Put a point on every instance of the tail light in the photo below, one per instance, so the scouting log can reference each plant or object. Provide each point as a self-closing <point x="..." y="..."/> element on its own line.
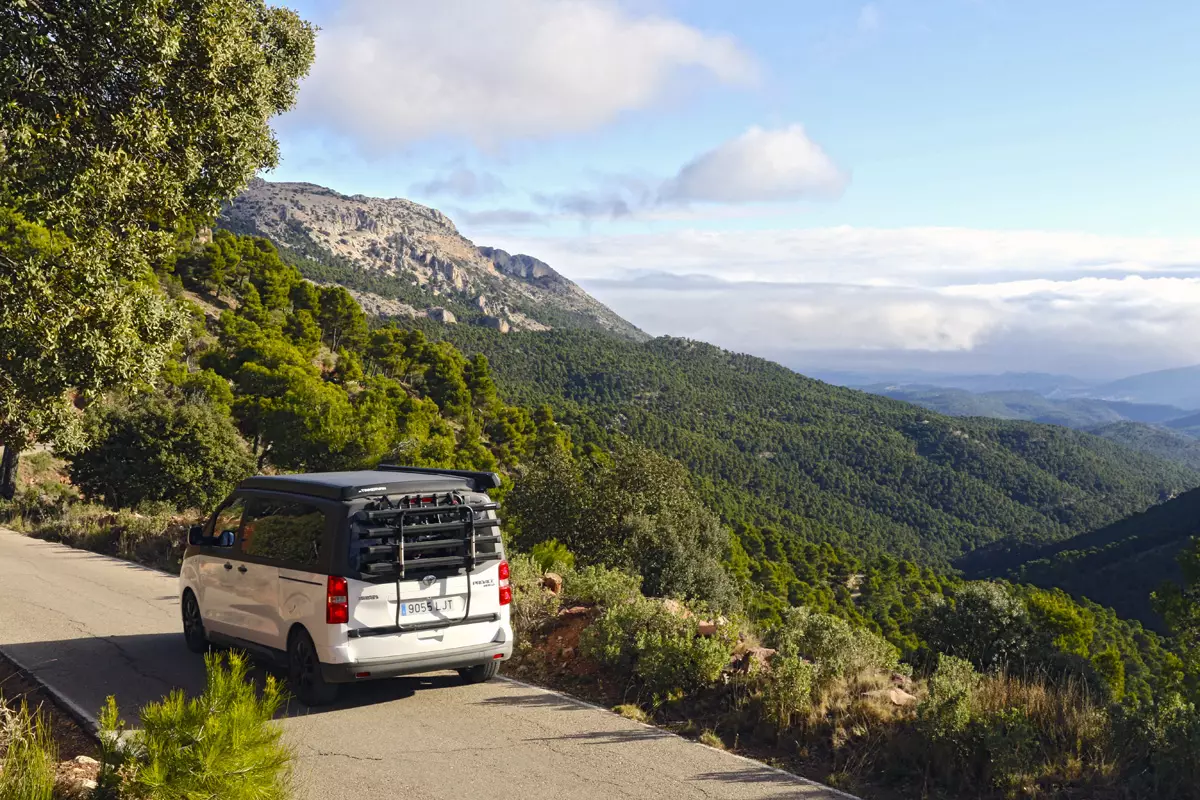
<point x="337" y="601"/>
<point x="505" y="589"/>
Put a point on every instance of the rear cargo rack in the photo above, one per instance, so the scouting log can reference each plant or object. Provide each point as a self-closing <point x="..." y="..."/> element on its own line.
<point x="419" y="535"/>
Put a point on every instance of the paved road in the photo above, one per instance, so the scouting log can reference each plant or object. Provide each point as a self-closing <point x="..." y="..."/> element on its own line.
<point x="90" y="626"/>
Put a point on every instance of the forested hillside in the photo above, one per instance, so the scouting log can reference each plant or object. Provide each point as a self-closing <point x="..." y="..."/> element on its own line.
<point x="1118" y="565"/>
<point x="826" y="464"/>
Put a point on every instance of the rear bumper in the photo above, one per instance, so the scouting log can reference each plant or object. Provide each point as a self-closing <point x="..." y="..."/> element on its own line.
<point x="410" y="665"/>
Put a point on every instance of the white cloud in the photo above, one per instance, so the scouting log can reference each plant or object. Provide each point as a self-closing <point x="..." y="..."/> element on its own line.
<point x="934" y="298"/>
<point x="461" y="183"/>
<point x="388" y="72"/>
<point x="758" y="166"/>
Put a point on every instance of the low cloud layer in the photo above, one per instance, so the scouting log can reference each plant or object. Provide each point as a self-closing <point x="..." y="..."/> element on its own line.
<point x="389" y="72"/>
<point x="928" y="298"/>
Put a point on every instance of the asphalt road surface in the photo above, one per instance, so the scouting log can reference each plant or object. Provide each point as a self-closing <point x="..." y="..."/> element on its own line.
<point x="90" y="626"/>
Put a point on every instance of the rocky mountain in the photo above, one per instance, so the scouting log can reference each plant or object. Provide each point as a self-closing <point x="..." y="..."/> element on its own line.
<point x="404" y="259"/>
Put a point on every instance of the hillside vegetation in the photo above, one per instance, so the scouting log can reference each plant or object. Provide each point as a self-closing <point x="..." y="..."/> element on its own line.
<point x="1118" y="565"/>
<point x="277" y="374"/>
<point x="773" y="449"/>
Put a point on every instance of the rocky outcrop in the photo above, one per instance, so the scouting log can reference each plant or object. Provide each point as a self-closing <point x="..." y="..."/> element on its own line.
<point x="420" y="246"/>
<point x="443" y="315"/>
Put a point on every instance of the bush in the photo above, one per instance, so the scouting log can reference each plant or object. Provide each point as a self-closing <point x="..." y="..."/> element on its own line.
<point x="676" y="662"/>
<point x="223" y="743"/>
<point x="835" y="648"/>
<point x="660" y="647"/>
<point x="947" y="710"/>
<point x="553" y="556"/>
<point x="787" y="690"/>
<point x="29" y="755"/>
<point x="531" y="604"/>
<point x="601" y="586"/>
<point x="188" y="454"/>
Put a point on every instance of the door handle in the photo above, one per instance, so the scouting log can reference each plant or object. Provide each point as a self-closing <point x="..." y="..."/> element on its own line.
<point x="242" y="568"/>
<point x="228" y="565"/>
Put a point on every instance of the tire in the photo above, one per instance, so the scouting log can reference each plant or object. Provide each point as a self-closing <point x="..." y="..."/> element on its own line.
<point x="304" y="672"/>
<point x="480" y="672"/>
<point x="193" y="624"/>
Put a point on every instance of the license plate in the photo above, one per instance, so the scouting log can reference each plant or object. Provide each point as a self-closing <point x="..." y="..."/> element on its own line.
<point x="437" y="605"/>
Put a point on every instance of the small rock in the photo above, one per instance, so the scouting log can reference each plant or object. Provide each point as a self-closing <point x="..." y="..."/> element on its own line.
<point x="677" y="608"/>
<point x="86" y="761"/>
<point x="754" y="659"/>
<point x="568" y="653"/>
<point x="552" y="581"/>
<point x="89" y="784"/>
<point x="573" y="611"/>
<point x="895" y="696"/>
<point x="706" y="628"/>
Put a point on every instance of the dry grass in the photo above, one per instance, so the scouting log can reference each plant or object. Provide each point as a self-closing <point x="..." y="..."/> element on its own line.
<point x="711" y="739"/>
<point x="633" y="712"/>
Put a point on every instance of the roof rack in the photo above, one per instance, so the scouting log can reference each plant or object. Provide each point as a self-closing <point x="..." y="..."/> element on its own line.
<point x="480" y="481"/>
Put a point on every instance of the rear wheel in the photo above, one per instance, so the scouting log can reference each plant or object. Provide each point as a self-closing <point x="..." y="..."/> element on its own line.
<point x="480" y="672"/>
<point x="304" y="672"/>
<point x="193" y="624"/>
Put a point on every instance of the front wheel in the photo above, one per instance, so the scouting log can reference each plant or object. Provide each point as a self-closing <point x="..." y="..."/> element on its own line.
<point x="304" y="673"/>
<point x="193" y="624"/>
<point x="480" y="672"/>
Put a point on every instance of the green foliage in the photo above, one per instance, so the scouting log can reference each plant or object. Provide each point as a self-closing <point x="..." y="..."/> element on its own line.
<point x="601" y="586"/>
<point x="659" y="645"/>
<point x="787" y="691"/>
<point x="552" y="555"/>
<point x="188" y="454"/>
<point x="835" y="648"/>
<point x="28" y="755"/>
<point x="946" y="711"/>
<point x="223" y="743"/>
<point x="675" y="661"/>
<point x="531" y="604"/>
<point x="633" y="510"/>
<point x="122" y="123"/>
<point x="982" y="623"/>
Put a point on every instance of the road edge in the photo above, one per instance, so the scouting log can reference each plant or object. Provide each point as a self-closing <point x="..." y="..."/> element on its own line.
<point x="89" y="722"/>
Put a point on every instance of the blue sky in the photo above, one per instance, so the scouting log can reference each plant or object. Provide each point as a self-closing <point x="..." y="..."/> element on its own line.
<point x="941" y="182"/>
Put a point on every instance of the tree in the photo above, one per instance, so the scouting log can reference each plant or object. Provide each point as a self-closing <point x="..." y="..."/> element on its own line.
<point x="188" y="454"/>
<point x="985" y="624"/>
<point x="1180" y="606"/>
<point x="119" y="121"/>
<point x="633" y="509"/>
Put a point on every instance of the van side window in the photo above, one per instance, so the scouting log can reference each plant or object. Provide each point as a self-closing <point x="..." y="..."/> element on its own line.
<point x="284" y="531"/>
<point x="229" y="517"/>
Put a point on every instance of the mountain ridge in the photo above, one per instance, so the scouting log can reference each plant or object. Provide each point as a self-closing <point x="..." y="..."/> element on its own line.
<point x="399" y="250"/>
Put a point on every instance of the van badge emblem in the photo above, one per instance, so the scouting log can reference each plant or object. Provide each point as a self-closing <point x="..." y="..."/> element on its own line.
<point x="427" y="581"/>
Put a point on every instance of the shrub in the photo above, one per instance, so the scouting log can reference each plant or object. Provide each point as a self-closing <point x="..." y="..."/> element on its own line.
<point x="27" y="768"/>
<point x="658" y="646"/>
<point x="787" y="690"/>
<point x="188" y="454"/>
<point x="947" y="709"/>
<point x="531" y="605"/>
<point x="835" y="648"/>
<point x="676" y="662"/>
<point x="601" y="586"/>
<point x="553" y="556"/>
<point x="220" y="744"/>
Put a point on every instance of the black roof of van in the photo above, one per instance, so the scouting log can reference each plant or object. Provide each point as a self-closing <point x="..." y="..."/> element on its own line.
<point x="386" y="479"/>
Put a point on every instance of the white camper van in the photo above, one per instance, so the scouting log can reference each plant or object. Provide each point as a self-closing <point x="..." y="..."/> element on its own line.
<point x="353" y="576"/>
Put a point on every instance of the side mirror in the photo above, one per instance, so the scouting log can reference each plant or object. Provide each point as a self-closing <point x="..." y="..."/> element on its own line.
<point x="196" y="535"/>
